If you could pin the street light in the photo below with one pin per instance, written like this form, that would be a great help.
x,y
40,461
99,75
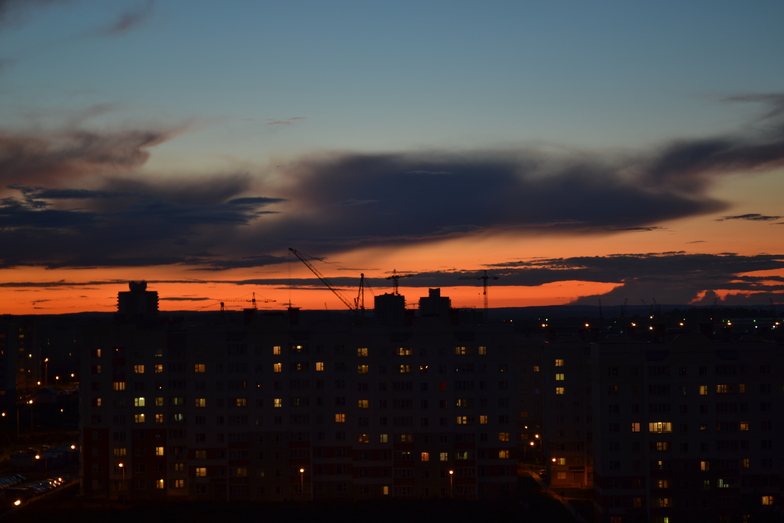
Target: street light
x,y
31,417
451,475
46,372
302,482
122,468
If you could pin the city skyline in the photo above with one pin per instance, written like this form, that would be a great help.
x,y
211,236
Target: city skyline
x,y
577,153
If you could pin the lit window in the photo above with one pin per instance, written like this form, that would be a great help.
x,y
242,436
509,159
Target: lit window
x,y
660,426
744,425
745,463
443,456
178,400
560,390
503,436
662,445
97,353
138,418
482,350
240,402
362,351
560,461
723,388
276,350
118,385
138,402
120,452
462,420
319,366
201,472
159,418
404,351
201,454
340,418
559,376
363,404
159,484
635,427
425,456
277,367
704,465
662,483
363,369
559,362
364,438
536,368
179,483
767,500
483,420
138,369
383,438
503,454
662,502
159,402
385,490
461,351
159,451
742,388
158,368
199,367
201,402
96,402
404,368
277,402
703,390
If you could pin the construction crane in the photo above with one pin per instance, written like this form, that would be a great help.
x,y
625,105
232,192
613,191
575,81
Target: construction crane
x,y
483,277
359,301
252,301
395,277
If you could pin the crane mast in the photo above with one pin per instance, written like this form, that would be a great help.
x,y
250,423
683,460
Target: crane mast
x,y
359,301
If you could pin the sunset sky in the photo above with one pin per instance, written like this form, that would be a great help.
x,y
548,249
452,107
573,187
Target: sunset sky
x,y
575,150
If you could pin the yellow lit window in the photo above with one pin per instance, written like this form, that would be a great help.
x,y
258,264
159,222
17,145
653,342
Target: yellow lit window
x,y
118,385
159,418
536,368
240,402
559,376
744,425
404,368
120,452
559,362
635,427
138,402
483,420
404,351
482,350
745,463
159,451
662,483
723,388
503,436
742,388
158,368
97,353
385,490
319,366
662,445
363,404
425,456
443,456
159,402
138,369
560,390
178,400
363,369
97,402
201,454
138,418
704,465
201,402
461,420
277,367
364,438
340,418
767,500
461,351
560,461
277,402
159,484
201,472
703,390
276,350
362,351
383,438
462,402
660,426
503,454
199,367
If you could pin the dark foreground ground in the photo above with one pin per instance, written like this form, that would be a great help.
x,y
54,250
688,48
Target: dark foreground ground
x,y
67,507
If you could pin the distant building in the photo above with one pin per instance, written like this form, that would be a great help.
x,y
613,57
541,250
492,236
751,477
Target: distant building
x,y
137,303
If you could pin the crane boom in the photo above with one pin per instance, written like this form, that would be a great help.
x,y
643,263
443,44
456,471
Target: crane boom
x,y
315,271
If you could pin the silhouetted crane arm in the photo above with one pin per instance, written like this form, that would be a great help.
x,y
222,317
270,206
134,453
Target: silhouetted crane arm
x,y
303,259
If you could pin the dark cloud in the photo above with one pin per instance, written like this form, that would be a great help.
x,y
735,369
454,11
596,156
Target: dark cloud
x,y
754,217
287,121
130,20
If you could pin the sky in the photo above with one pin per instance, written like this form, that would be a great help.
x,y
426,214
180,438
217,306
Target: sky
x,y
576,151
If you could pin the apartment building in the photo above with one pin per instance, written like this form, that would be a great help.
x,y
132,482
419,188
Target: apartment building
x,y
271,409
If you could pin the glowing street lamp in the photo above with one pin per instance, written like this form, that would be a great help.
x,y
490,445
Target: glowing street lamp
x,y
451,491
122,468
302,482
